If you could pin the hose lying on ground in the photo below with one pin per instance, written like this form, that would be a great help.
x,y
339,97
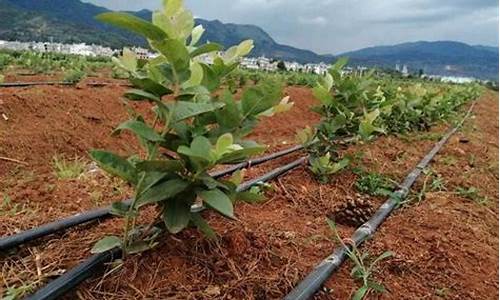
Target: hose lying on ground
x,y
23,84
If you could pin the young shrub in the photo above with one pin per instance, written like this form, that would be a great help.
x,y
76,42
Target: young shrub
x,y
323,166
74,76
197,125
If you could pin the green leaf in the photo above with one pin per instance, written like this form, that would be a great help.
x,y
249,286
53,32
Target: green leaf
x,y
340,63
323,95
140,129
229,117
172,7
150,179
128,61
202,225
232,54
176,215
184,110
384,255
196,35
244,48
256,100
240,155
160,166
331,224
360,293
134,24
135,94
223,143
326,82
366,127
340,165
106,244
206,48
162,191
177,55
237,177
176,21
151,86
119,209
115,165
196,76
376,286
219,201
200,148
250,197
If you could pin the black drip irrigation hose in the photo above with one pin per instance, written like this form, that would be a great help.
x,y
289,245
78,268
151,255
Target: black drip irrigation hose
x,y
256,161
18,239
23,237
23,84
315,280
92,265
64,283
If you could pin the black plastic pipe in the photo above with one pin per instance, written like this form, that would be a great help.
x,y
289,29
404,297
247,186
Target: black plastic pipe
x,y
22,84
272,174
15,240
92,265
18,239
320,274
65,282
256,161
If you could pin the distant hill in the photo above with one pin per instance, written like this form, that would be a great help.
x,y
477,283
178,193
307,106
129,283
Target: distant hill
x,y
72,21
441,57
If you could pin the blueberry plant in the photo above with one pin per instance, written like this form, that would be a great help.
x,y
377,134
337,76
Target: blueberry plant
x,y
357,108
196,125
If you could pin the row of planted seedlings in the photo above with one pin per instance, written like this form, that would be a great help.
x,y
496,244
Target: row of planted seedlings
x,y
73,67
357,109
199,125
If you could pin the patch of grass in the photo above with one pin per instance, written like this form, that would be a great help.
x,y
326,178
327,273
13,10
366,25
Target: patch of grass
x,y
68,169
473,194
8,208
375,184
433,182
14,293
449,160
96,197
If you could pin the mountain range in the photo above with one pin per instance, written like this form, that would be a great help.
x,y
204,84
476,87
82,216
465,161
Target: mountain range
x,y
72,21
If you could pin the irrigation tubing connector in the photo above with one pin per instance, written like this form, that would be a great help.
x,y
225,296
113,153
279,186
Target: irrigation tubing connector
x,y
320,274
18,239
92,265
23,84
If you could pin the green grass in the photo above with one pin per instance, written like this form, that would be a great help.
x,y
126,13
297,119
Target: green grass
x,y
68,169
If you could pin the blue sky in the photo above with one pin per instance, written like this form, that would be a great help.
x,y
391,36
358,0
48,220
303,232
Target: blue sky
x,y
334,26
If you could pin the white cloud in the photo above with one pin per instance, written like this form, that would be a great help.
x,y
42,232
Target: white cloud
x,y
319,21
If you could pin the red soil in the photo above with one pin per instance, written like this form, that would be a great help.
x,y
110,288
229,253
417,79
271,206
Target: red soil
x,y
444,245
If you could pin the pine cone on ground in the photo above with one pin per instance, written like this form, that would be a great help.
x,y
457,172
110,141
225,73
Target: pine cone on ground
x,y
353,212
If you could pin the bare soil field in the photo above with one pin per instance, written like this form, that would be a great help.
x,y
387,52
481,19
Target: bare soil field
x,y
445,245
